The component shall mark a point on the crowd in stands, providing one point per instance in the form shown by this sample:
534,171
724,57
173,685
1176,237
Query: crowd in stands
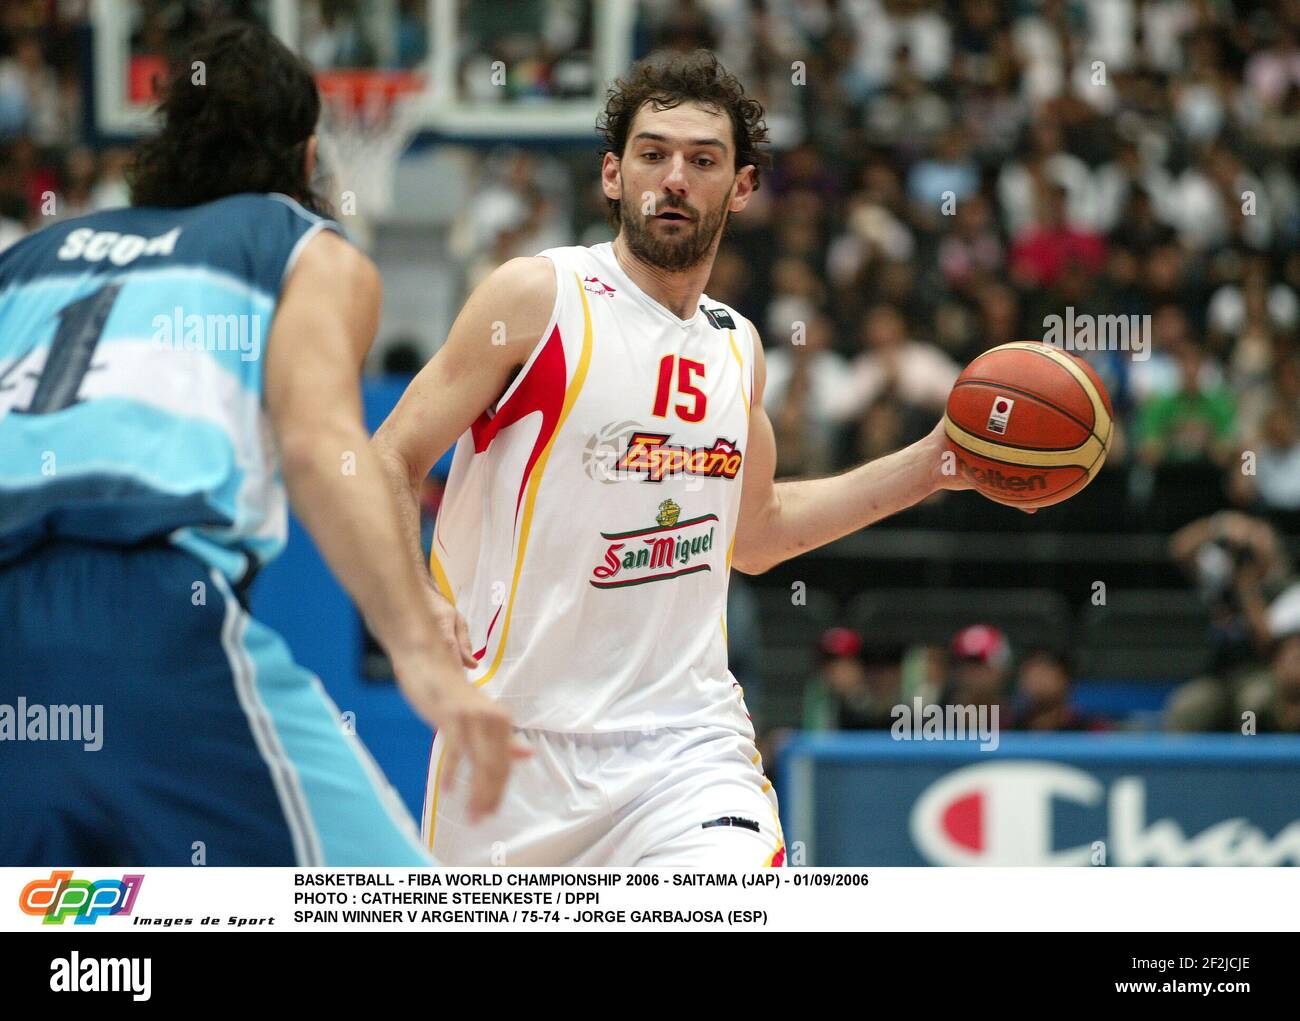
948,177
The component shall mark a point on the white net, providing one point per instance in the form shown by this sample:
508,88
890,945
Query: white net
367,122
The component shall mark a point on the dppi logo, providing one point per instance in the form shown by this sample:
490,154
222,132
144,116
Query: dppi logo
1001,813
61,896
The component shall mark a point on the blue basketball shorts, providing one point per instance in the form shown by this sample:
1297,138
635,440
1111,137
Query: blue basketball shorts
147,719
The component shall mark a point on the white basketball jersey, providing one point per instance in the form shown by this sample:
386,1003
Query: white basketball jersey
587,526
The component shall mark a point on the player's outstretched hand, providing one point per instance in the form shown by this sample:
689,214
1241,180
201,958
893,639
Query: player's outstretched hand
470,722
940,459
473,725
453,628
939,454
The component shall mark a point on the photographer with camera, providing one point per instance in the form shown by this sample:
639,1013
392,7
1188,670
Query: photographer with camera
1240,567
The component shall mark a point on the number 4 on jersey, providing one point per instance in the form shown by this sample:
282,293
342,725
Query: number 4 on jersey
687,369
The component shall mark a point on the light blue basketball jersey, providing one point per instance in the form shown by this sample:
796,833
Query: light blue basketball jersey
132,346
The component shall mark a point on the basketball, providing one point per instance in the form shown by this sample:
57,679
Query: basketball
1029,424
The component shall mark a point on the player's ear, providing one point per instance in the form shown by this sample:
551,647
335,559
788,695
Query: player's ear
309,161
611,178
744,188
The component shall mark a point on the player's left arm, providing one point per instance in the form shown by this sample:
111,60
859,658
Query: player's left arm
780,520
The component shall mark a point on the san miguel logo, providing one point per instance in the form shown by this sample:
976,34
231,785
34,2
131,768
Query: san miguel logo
652,454
654,554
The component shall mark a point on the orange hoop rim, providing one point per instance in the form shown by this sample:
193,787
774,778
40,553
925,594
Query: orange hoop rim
355,87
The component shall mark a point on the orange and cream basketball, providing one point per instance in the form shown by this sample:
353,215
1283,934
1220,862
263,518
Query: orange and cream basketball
1029,425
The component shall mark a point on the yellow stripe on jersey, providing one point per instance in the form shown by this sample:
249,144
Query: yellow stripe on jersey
534,482
740,362
433,806
757,760
439,575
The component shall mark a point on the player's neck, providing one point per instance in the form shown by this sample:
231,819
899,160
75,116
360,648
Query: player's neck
678,292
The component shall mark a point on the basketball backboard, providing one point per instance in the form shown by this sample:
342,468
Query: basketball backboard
524,70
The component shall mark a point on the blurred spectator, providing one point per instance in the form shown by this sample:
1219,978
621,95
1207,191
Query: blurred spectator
950,176
1047,168
31,101
907,115
1240,567
857,685
981,670
1193,424
521,206
971,253
807,397
1282,712
1042,700
335,35
796,295
876,228
1050,244
917,373
1160,373
1275,484
110,190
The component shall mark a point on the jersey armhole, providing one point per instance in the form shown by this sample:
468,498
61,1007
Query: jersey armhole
541,341
754,344
300,245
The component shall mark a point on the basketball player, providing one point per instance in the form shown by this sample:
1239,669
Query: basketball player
592,589
166,372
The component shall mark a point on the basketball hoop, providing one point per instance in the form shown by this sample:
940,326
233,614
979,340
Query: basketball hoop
368,119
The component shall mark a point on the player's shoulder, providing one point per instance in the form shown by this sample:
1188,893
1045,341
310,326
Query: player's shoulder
328,257
520,292
526,276
263,204
751,348
515,301
721,316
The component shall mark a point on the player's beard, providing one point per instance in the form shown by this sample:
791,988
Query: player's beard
686,250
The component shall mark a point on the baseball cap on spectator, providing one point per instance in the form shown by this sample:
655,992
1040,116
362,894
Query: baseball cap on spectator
981,643
839,641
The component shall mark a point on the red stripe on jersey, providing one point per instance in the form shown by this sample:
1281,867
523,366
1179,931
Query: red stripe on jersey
542,390
487,637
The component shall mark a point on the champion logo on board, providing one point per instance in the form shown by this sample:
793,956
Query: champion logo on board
597,286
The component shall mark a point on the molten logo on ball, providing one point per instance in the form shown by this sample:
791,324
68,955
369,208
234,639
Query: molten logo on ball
992,478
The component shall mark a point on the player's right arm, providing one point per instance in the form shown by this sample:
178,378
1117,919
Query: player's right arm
323,328
492,337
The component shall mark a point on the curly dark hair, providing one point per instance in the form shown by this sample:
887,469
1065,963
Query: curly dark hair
240,126
668,79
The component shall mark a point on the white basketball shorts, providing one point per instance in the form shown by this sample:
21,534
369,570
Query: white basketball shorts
694,798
